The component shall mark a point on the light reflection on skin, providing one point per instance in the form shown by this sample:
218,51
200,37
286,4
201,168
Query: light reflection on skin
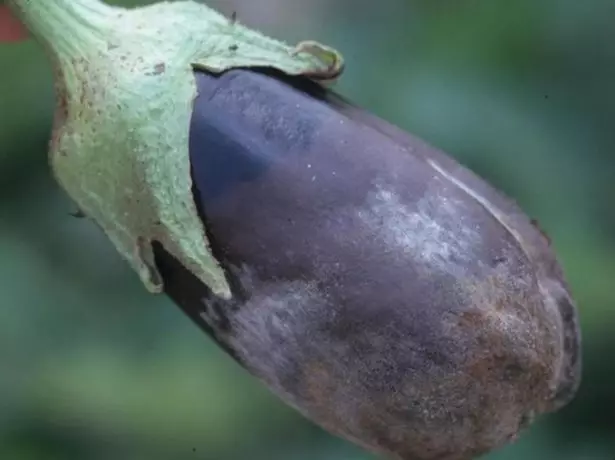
11,29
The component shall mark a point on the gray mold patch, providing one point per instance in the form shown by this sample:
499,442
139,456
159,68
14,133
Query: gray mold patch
433,231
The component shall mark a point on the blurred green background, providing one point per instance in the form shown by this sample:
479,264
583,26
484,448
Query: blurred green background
92,367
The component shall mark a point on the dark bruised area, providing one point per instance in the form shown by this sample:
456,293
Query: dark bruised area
371,292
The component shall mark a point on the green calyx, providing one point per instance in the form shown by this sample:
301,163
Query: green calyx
125,88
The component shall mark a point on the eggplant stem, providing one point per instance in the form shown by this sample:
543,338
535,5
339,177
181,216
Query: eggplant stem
65,27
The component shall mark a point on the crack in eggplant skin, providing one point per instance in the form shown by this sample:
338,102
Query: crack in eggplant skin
370,291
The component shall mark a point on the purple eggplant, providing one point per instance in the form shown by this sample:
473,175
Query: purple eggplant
368,279
379,287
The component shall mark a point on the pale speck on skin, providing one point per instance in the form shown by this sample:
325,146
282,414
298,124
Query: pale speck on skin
204,316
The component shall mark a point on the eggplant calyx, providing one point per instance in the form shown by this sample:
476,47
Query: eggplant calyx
126,87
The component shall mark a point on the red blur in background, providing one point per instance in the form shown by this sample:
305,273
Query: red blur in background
11,29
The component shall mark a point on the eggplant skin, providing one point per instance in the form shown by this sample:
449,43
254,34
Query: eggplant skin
380,288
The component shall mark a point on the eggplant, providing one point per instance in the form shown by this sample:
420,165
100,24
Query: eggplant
380,288
369,280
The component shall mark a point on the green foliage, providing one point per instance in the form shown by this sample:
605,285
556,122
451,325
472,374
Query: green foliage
94,367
